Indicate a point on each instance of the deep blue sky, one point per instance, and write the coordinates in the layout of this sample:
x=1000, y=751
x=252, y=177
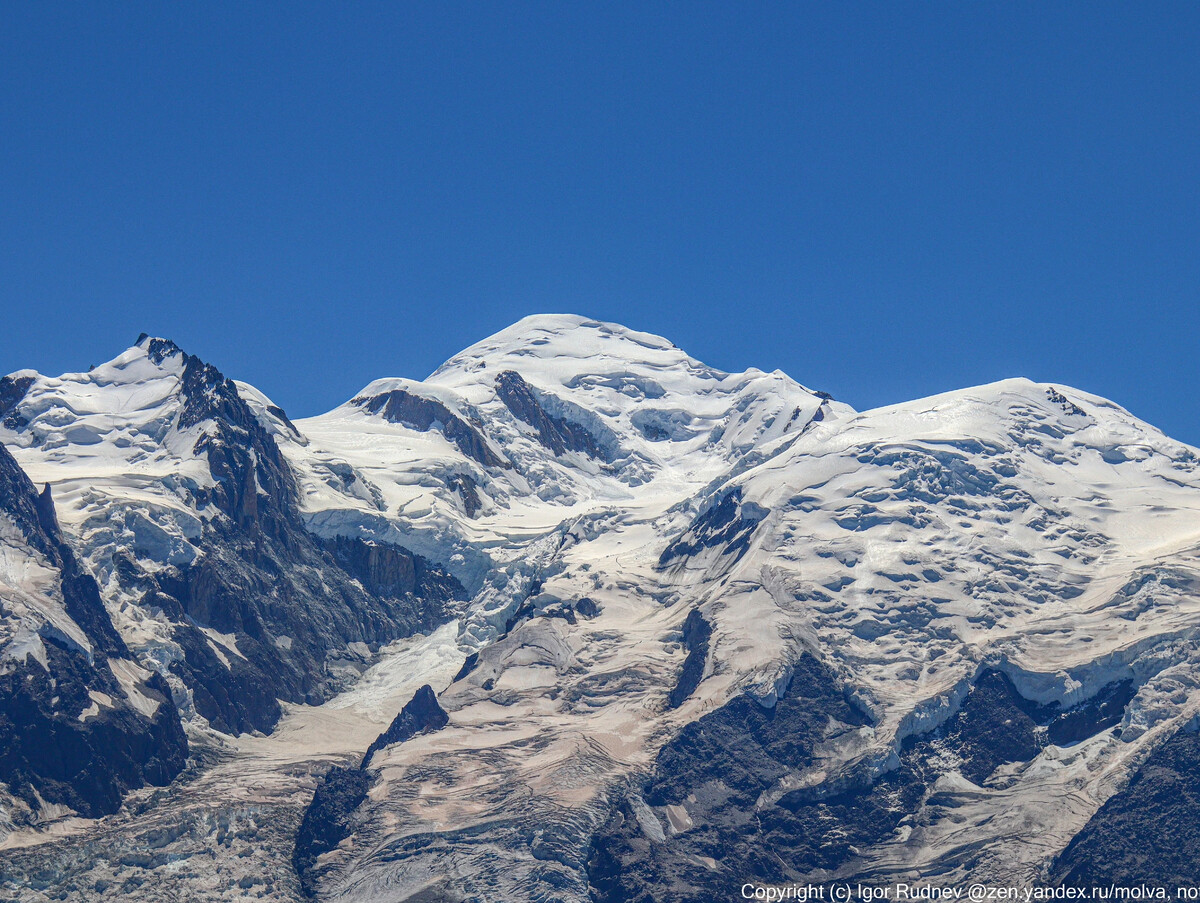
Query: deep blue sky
x=884, y=200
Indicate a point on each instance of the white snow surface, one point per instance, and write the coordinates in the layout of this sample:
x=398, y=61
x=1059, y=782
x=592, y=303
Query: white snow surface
x=31, y=596
x=1033, y=528
x=670, y=423
x=122, y=471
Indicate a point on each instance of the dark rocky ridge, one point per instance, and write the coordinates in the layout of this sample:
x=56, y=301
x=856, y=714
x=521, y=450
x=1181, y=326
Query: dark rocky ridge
x=420, y=715
x=724, y=524
x=423, y=414
x=1149, y=832
x=330, y=817
x=556, y=433
x=46, y=751
x=996, y=725
x=468, y=492
x=720, y=767
x=328, y=820
x=12, y=391
x=696, y=634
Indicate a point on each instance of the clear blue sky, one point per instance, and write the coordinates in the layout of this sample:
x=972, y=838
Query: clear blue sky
x=885, y=200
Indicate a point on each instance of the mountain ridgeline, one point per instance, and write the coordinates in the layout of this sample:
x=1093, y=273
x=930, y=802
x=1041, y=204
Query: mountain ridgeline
x=581, y=618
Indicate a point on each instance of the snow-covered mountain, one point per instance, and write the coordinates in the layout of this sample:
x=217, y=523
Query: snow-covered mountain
x=175, y=494
x=582, y=618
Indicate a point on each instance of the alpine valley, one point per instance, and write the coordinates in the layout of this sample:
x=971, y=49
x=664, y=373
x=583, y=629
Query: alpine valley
x=580, y=618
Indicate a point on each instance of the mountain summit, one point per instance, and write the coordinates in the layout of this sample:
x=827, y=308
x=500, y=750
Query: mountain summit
x=582, y=618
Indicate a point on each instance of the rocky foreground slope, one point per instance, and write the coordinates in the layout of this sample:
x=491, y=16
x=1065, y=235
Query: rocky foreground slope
x=581, y=618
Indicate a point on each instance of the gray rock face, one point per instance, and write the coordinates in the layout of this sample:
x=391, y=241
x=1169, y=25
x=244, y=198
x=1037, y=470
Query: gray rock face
x=1148, y=833
x=12, y=390
x=425, y=414
x=555, y=432
x=70, y=733
x=420, y=715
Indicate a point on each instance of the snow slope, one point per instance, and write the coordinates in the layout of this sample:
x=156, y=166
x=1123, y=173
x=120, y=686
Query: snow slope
x=647, y=542
x=625, y=419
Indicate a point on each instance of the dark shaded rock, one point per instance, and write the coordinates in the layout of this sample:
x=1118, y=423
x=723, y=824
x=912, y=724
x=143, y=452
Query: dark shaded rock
x=382, y=568
x=46, y=750
x=1063, y=402
x=468, y=666
x=279, y=414
x=468, y=492
x=726, y=524
x=652, y=430
x=1146, y=834
x=587, y=607
x=21, y=502
x=423, y=414
x=420, y=715
x=1102, y=711
x=717, y=769
x=554, y=432
x=12, y=392
x=696, y=634
x=234, y=697
x=994, y=726
x=328, y=820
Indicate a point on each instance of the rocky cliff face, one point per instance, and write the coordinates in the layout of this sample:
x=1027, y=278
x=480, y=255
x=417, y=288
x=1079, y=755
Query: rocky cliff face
x=1146, y=832
x=580, y=618
x=81, y=723
x=218, y=583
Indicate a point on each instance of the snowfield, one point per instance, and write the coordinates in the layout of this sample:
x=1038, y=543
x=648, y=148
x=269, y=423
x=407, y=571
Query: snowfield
x=643, y=541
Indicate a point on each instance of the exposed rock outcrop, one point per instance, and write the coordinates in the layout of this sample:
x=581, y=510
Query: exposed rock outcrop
x=71, y=732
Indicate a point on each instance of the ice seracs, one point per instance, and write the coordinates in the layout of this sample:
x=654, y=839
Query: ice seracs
x=553, y=417
x=673, y=616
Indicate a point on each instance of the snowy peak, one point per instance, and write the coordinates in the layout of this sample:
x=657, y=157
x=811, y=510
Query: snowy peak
x=549, y=419
x=423, y=408
x=997, y=406
x=1035, y=424
x=599, y=388
x=150, y=389
x=79, y=408
x=156, y=434
x=137, y=399
x=560, y=347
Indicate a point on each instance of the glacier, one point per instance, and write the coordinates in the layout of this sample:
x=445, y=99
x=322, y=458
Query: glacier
x=689, y=628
